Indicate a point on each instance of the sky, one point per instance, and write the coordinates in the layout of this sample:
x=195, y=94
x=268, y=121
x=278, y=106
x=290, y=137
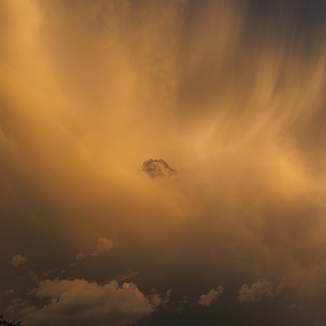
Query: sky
x=230, y=95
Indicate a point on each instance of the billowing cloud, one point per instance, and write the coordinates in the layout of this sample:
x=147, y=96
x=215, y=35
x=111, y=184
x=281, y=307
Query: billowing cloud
x=79, y=302
x=205, y=300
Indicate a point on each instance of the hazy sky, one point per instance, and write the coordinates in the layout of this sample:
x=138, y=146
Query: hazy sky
x=231, y=94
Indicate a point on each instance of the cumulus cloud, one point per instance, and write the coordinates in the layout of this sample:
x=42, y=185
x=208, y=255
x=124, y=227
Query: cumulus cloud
x=205, y=300
x=257, y=291
x=79, y=302
x=18, y=260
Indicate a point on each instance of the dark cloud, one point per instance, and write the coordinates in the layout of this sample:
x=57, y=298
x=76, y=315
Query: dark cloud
x=157, y=168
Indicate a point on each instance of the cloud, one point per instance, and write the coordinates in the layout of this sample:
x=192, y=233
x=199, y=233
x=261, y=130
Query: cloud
x=9, y=292
x=79, y=302
x=256, y=292
x=16, y=305
x=103, y=245
x=160, y=300
x=91, y=89
x=157, y=168
x=18, y=260
x=205, y=300
x=80, y=256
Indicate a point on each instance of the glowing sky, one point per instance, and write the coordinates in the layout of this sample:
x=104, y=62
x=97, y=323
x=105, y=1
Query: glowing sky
x=231, y=94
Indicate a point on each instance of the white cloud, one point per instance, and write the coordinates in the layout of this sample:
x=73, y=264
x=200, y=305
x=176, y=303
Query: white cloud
x=205, y=300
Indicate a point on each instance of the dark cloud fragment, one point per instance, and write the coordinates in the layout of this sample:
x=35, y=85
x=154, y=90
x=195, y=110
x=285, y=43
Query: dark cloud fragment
x=157, y=168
